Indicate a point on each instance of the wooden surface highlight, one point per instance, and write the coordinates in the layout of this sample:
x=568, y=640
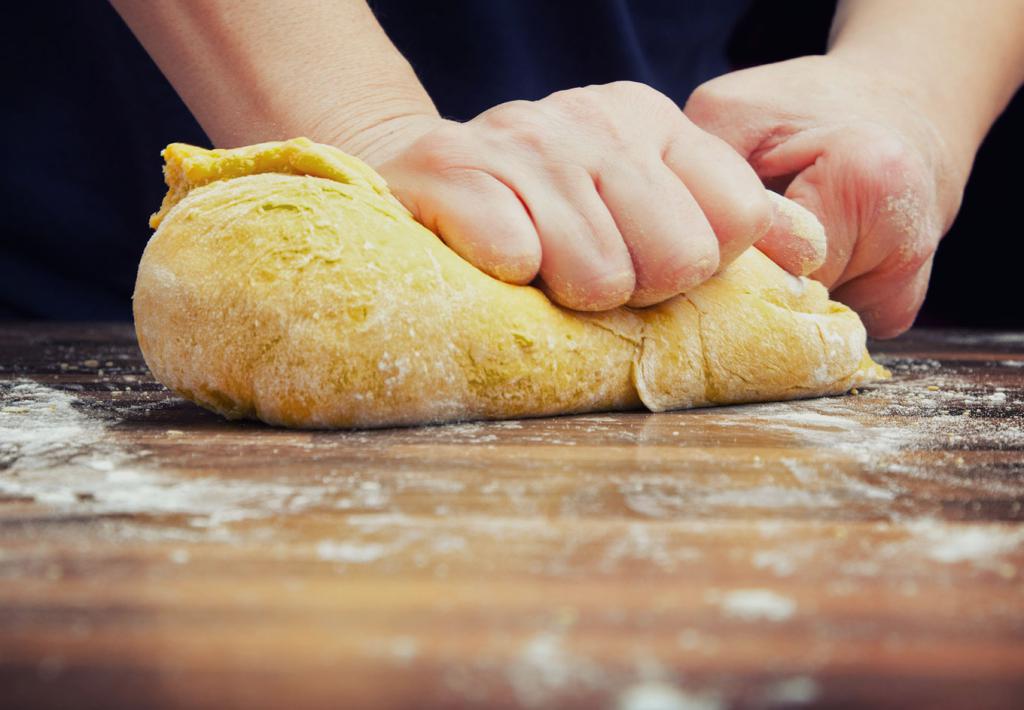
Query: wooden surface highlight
x=856, y=550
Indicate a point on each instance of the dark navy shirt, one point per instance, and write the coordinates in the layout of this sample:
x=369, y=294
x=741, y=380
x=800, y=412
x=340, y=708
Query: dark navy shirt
x=86, y=113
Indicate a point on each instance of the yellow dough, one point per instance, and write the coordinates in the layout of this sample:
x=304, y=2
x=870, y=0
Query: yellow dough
x=285, y=283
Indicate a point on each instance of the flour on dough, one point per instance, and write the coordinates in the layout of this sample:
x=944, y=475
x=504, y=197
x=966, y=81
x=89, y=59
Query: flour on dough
x=285, y=283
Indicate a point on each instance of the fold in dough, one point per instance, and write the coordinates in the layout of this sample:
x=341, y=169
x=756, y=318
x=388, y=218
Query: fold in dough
x=285, y=283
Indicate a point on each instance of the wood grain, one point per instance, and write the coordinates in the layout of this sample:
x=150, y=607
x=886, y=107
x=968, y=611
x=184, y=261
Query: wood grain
x=850, y=551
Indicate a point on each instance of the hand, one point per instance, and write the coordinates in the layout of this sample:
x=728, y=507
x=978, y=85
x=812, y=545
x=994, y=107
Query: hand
x=609, y=193
x=859, y=151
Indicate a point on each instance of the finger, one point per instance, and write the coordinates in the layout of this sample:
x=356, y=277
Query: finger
x=585, y=264
x=796, y=239
x=672, y=245
x=887, y=304
x=868, y=190
x=727, y=189
x=809, y=191
x=480, y=218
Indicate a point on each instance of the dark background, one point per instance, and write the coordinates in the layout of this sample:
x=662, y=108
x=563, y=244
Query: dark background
x=974, y=282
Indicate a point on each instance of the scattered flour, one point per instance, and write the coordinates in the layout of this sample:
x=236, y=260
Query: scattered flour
x=756, y=605
x=180, y=556
x=799, y=690
x=40, y=426
x=780, y=562
x=656, y=695
x=59, y=455
x=545, y=668
x=948, y=543
x=404, y=648
x=399, y=650
x=351, y=552
x=982, y=338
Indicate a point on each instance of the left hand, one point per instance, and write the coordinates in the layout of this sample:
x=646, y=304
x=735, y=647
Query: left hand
x=862, y=153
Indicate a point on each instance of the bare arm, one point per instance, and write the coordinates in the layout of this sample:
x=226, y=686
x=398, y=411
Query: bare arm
x=960, y=61
x=609, y=194
x=259, y=70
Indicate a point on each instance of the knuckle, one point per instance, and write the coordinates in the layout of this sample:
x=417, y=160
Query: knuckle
x=645, y=99
x=586, y=106
x=889, y=168
x=626, y=85
x=612, y=108
x=441, y=150
x=636, y=90
x=510, y=114
x=882, y=152
x=704, y=101
x=589, y=273
x=522, y=122
x=903, y=198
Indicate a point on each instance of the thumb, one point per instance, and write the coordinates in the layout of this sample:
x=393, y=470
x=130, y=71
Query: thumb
x=813, y=187
x=805, y=238
x=796, y=239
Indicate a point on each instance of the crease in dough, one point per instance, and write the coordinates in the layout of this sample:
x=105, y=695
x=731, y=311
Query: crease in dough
x=285, y=283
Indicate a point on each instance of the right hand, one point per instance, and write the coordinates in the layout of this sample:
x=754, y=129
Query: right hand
x=608, y=193
x=864, y=153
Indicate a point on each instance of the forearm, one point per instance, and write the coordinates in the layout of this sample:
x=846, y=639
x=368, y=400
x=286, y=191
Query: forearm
x=961, y=62
x=258, y=70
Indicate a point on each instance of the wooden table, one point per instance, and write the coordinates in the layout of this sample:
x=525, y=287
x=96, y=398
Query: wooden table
x=858, y=550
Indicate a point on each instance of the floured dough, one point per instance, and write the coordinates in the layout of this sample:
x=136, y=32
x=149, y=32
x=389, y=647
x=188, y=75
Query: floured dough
x=285, y=283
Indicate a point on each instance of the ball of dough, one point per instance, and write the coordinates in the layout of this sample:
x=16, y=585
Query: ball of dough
x=285, y=283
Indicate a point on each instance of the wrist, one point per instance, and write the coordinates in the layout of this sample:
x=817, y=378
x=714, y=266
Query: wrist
x=386, y=134
x=927, y=115
x=959, y=117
